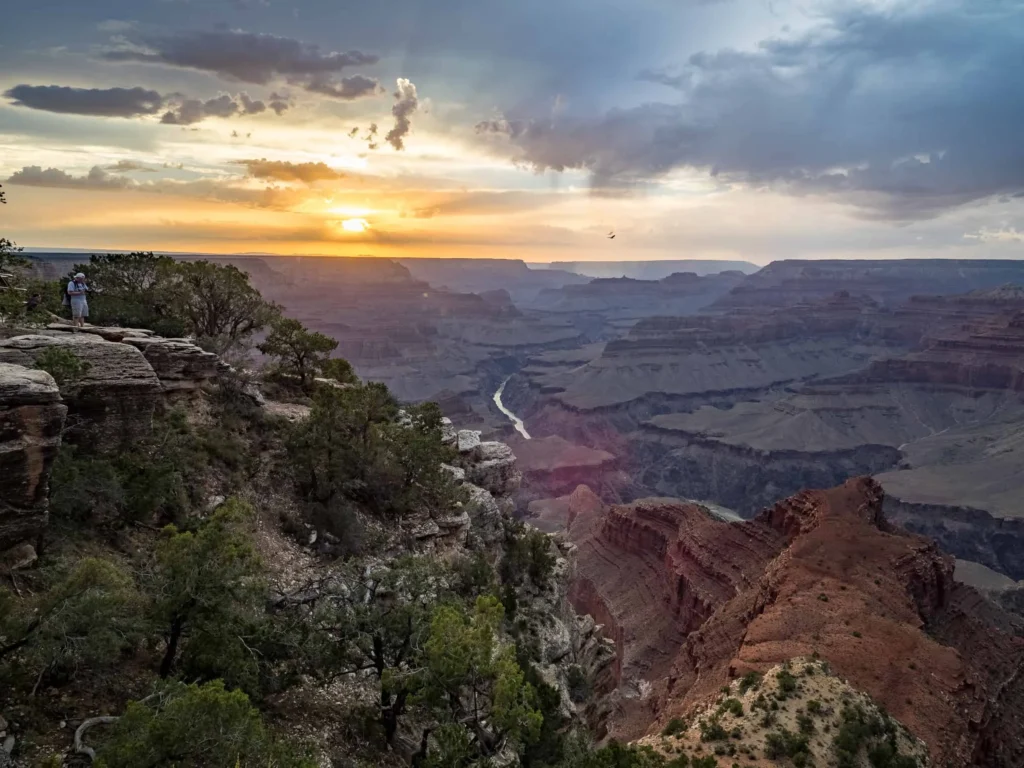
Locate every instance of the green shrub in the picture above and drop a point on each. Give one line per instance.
(712, 730)
(86, 616)
(578, 684)
(750, 680)
(784, 743)
(195, 726)
(787, 682)
(528, 555)
(733, 706)
(64, 365)
(675, 727)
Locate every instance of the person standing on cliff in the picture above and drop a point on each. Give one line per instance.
(77, 289)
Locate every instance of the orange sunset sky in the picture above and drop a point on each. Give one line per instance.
(740, 129)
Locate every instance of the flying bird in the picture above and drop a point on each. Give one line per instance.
(611, 235)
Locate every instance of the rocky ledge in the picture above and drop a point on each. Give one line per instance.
(31, 419)
(125, 376)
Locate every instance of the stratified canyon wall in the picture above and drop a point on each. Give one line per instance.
(694, 603)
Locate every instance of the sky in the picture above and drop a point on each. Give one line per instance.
(732, 129)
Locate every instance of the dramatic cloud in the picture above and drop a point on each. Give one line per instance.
(280, 170)
(406, 103)
(279, 103)
(348, 88)
(190, 111)
(245, 56)
(97, 178)
(905, 111)
(139, 102)
(103, 102)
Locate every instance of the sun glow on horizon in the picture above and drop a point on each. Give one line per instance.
(355, 225)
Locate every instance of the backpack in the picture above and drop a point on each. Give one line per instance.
(65, 300)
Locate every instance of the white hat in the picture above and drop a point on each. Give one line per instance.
(80, 274)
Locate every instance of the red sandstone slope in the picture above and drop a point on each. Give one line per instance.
(653, 570)
(822, 573)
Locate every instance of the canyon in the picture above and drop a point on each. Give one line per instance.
(671, 431)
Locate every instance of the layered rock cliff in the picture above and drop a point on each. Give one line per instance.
(124, 376)
(31, 419)
(820, 575)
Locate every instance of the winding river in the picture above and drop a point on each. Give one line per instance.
(516, 421)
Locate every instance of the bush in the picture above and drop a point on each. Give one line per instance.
(210, 597)
(805, 724)
(64, 365)
(784, 743)
(88, 616)
(675, 727)
(733, 706)
(750, 680)
(528, 555)
(155, 480)
(874, 734)
(195, 726)
(712, 730)
(578, 684)
(787, 682)
(355, 447)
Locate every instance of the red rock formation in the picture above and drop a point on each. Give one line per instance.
(881, 606)
(653, 570)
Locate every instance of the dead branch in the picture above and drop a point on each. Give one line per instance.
(80, 747)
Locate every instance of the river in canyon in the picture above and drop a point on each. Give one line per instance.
(516, 421)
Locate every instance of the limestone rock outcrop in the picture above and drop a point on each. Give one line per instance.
(490, 465)
(128, 374)
(115, 397)
(178, 363)
(31, 419)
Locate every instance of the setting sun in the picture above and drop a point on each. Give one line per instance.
(355, 225)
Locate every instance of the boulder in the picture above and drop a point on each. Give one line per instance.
(467, 440)
(493, 466)
(179, 364)
(449, 435)
(31, 420)
(117, 394)
(485, 515)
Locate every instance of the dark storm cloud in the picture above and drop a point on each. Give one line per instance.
(138, 102)
(347, 88)
(191, 111)
(97, 178)
(406, 103)
(905, 112)
(102, 102)
(245, 56)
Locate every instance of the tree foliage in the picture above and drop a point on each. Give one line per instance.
(130, 287)
(64, 365)
(86, 617)
(377, 619)
(473, 683)
(208, 592)
(357, 446)
(217, 303)
(303, 353)
(195, 726)
(214, 303)
(152, 480)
